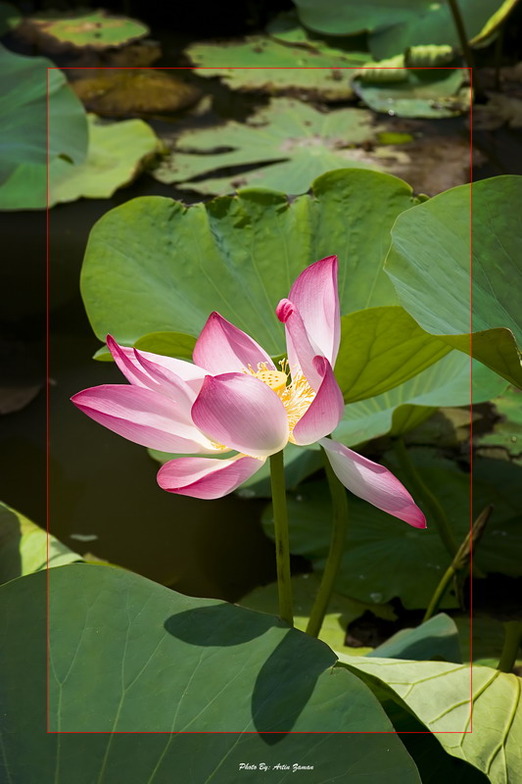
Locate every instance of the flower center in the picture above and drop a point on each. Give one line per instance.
(275, 379)
(296, 396)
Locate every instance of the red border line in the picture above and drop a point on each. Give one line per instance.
(47, 295)
(47, 392)
(471, 399)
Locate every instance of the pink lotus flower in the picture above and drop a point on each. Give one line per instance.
(234, 399)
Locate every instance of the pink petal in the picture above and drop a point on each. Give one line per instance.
(326, 409)
(242, 413)
(223, 348)
(141, 371)
(168, 383)
(316, 297)
(207, 478)
(301, 351)
(373, 482)
(130, 362)
(143, 416)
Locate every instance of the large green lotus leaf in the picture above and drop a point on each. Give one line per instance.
(445, 383)
(82, 29)
(304, 142)
(424, 93)
(25, 84)
(474, 712)
(415, 22)
(116, 153)
(385, 557)
(154, 264)
(32, 756)
(341, 610)
(26, 548)
(430, 264)
(167, 662)
(259, 63)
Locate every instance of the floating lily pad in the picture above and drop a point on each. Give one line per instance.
(291, 141)
(430, 265)
(259, 63)
(450, 700)
(238, 255)
(341, 610)
(120, 93)
(385, 558)
(445, 383)
(422, 93)
(506, 437)
(416, 22)
(23, 110)
(26, 548)
(58, 31)
(117, 152)
(436, 638)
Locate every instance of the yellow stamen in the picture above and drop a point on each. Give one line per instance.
(275, 379)
(296, 396)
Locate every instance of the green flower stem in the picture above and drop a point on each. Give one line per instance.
(499, 45)
(463, 38)
(461, 32)
(439, 592)
(459, 562)
(337, 542)
(425, 497)
(512, 642)
(284, 584)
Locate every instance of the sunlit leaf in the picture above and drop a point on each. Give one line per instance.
(442, 696)
(430, 265)
(26, 548)
(452, 381)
